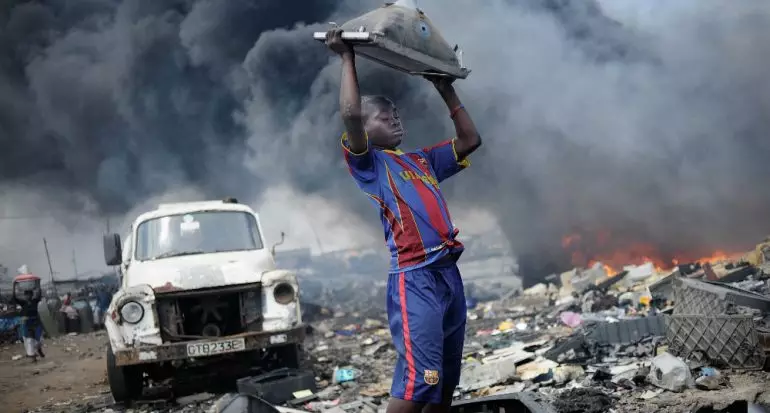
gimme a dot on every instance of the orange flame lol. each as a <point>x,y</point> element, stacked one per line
<point>611,272</point>
<point>614,259</point>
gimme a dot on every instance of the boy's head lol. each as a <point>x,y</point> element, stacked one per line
<point>381,122</point>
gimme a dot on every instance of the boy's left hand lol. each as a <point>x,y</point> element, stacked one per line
<point>443,84</point>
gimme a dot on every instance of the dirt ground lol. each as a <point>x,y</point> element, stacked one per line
<point>752,387</point>
<point>72,372</point>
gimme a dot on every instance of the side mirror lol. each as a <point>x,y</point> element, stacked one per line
<point>113,250</point>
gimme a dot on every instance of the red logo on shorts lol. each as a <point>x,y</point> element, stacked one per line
<point>431,377</point>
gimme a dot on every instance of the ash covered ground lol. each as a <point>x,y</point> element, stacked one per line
<point>517,343</point>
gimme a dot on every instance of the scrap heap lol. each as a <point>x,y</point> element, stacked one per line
<point>694,338</point>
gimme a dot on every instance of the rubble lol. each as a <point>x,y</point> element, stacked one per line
<point>586,347</point>
<point>585,400</point>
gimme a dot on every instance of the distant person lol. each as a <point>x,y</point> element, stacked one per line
<point>426,300</point>
<point>103,299</point>
<point>72,318</point>
<point>31,327</point>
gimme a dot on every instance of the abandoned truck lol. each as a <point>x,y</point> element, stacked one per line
<point>199,293</point>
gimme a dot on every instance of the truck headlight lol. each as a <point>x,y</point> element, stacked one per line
<point>132,312</point>
<point>283,293</point>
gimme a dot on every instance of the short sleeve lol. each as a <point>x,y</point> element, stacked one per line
<point>443,159</point>
<point>362,165</point>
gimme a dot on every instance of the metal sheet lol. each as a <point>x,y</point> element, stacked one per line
<point>402,38</point>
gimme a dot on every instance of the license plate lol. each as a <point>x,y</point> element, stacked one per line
<point>211,348</point>
<point>278,339</point>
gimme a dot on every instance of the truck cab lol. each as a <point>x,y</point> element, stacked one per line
<point>198,287</point>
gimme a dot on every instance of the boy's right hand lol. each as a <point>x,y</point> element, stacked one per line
<point>336,44</point>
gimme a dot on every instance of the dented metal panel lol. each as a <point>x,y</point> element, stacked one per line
<point>145,332</point>
<point>405,39</point>
<point>277,316</point>
<point>201,271</point>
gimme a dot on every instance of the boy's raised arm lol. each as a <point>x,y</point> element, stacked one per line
<point>468,139</point>
<point>350,96</point>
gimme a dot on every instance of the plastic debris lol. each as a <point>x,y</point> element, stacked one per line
<point>670,372</point>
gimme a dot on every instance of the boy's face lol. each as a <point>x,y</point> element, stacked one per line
<point>384,127</point>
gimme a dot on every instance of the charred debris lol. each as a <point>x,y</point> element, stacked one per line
<point>693,339</point>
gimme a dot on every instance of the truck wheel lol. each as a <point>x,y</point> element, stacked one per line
<point>126,382</point>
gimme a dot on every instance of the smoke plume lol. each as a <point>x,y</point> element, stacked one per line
<point>644,121</point>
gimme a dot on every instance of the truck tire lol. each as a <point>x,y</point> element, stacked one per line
<point>126,382</point>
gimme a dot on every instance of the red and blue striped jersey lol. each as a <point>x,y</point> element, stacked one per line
<point>405,188</point>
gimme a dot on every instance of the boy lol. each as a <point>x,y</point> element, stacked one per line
<point>426,301</point>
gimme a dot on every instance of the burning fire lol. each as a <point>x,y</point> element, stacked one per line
<point>586,252</point>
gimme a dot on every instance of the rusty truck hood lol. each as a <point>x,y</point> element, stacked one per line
<point>193,272</point>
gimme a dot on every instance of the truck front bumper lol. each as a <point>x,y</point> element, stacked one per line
<point>178,351</point>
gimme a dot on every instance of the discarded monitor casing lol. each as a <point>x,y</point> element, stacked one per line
<point>26,282</point>
<point>403,38</point>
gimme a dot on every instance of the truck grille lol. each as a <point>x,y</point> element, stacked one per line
<point>192,315</point>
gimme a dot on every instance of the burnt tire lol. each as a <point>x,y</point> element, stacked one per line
<point>126,382</point>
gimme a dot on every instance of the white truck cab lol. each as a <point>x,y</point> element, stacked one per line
<point>198,286</point>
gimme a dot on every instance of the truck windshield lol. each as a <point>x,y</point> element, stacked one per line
<point>197,233</point>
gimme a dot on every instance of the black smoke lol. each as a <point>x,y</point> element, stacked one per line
<point>126,99</point>
<point>652,129</point>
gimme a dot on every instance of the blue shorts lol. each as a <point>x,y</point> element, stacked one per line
<point>31,328</point>
<point>426,312</point>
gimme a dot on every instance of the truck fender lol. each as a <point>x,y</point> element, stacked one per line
<point>123,334</point>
